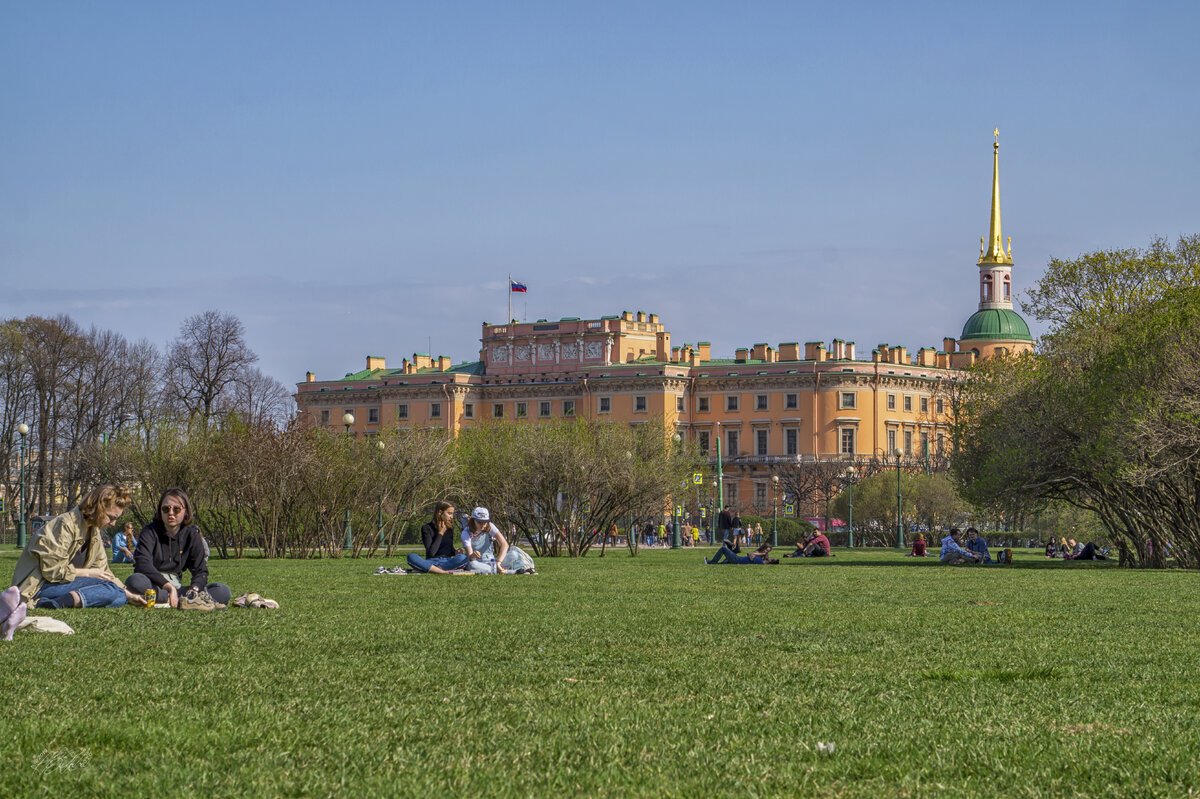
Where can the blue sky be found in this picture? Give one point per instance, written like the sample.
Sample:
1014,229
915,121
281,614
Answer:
359,178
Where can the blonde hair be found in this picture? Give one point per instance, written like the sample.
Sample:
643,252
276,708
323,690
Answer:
99,500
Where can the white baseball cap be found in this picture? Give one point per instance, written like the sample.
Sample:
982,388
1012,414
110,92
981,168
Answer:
480,515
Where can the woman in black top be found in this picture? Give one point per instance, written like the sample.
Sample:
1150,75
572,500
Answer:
169,546
438,538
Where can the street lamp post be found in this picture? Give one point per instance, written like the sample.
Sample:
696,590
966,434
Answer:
899,453
850,521
677,510
775,510
379,541
348,543
23,429
104,448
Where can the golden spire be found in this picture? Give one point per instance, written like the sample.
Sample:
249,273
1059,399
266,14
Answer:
992,251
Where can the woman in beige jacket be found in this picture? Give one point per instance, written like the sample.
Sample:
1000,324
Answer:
65,565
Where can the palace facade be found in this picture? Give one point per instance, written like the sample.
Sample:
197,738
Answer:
765,405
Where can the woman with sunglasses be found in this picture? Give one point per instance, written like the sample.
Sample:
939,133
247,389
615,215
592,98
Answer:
169,546
64,565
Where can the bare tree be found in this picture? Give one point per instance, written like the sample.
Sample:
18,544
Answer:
261,398
206,360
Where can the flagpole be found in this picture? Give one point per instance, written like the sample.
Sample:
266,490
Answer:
508,319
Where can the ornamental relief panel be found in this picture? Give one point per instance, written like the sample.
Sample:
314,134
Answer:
545,352
593,349
522,352
500,353
570,351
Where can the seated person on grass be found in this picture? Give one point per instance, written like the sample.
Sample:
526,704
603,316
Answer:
166,548
918,547
976,544
817,547
488,550
952,553
123,545
438,538
64,565
727,555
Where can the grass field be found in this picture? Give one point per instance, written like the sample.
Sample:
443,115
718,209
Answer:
647,676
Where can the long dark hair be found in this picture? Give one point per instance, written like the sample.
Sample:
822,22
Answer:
437,511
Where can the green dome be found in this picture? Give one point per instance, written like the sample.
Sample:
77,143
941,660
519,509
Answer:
995,323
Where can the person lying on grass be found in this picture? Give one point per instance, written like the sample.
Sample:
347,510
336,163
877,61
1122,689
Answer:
1087,551
952,553
976,544
727,555
64,565
438,538
169,546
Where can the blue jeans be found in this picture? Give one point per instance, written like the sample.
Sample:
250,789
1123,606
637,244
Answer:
727,555
94,592
121,557
421,564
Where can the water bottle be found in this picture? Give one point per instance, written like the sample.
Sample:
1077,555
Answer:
492,561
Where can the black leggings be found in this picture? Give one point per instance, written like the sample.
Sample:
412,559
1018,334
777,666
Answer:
140,584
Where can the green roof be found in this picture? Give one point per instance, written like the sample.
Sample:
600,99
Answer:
995,323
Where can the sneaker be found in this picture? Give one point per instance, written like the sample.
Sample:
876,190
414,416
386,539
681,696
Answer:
198,600
398,570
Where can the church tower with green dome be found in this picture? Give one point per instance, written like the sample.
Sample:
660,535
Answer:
995,329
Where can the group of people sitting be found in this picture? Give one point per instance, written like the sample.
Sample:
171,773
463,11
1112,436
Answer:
954,553
65,565
1074,550
815,546
484,549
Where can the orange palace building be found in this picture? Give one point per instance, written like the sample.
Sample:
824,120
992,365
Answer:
766,404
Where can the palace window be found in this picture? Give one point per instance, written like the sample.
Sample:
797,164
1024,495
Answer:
469,410
639,404
703,439
791,401
498,410
789,438
848,441
941,444
941,406
848,400
702,404
402,411
522,410
924,404
908,450
325,416
760,442
568,407
891,449
986,295
543,409
731,402
1007,288
679,404
606,405
924,444
435,410
908,404
372,415
731,494
731,444
760,402
891,402
760,494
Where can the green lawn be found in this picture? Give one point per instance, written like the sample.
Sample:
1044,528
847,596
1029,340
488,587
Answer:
654,676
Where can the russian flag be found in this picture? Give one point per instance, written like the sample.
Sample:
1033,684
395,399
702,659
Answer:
517,287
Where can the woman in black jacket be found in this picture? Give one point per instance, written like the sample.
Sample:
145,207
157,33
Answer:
166,548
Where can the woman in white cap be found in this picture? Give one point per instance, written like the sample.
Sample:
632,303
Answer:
484,544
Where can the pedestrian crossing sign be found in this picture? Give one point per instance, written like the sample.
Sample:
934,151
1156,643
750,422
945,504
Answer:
703,512
698,478
789,510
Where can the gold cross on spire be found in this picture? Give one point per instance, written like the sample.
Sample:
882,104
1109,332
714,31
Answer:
996,133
